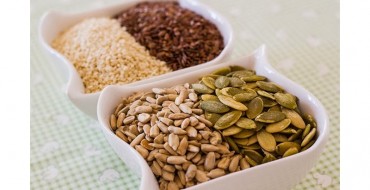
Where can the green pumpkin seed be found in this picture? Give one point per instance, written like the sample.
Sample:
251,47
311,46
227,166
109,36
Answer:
252,139
280,137
260,125
269,86
232,103
268,158
218,92
295,136
214,106
253,78
270,117
247,96
255,108
230,91
254,146
246,123
245,73
251,161
222,82
265,94
236,82
268,102
266,140
237,68
232,144
212,76
250,85
286,100
201,88
209,97
209,82
310,120
296,119
278,126
222,71
227,120
283,147
244,134
212,117
308,145
288,131
306,131
253,154
309,137
231,131
242,142
275,108
290,152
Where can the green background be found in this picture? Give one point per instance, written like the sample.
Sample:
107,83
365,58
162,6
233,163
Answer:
68,151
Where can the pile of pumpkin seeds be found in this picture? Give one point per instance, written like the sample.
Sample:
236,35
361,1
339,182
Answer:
256,117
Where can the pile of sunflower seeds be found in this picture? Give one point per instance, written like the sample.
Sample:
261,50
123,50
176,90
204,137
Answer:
168,128
256,117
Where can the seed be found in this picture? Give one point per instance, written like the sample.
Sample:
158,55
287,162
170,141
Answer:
286,100
209,82
173,107
113,122
205,134
308,138
278,126
268,158
255,108
214,107
228,120
183,146
224,163
244,97
186,109
143,117
166,121
288,131
253,78
143,109
254,155
234,163
122,136
203,120
295,136
244,164
182,177
137,140
221,71
203,89
159,139
185,123
192,148
193,121
156,168
169,149
308,145
280,137
296,119
270,117
266,140
173,141
128,120
182,96
176,130
244,134
176,160
190,173
232,103
201,176
142,151
290,152
169,176
210,161
268,86
154,131
246,123
306,131
284,146
231,131
268,102
252,139
208,148
232,144
243,142
192,132
172,186
215,173
209,97
156,145
222,82
216,139
265,94
236,82
175,116
145,143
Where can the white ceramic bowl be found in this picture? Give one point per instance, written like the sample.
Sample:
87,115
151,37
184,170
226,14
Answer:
53,22
280,174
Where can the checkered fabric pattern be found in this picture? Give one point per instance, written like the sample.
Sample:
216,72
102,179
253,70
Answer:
68,151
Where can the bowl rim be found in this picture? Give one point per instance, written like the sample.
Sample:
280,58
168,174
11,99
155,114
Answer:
260,53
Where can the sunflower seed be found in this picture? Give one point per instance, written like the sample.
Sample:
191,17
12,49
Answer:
186,109
215,173
201,176
234,163
210,161
113,122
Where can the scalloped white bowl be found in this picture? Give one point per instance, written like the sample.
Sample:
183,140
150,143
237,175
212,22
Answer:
281,174
54,22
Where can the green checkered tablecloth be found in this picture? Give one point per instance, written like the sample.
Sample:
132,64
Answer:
68,151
